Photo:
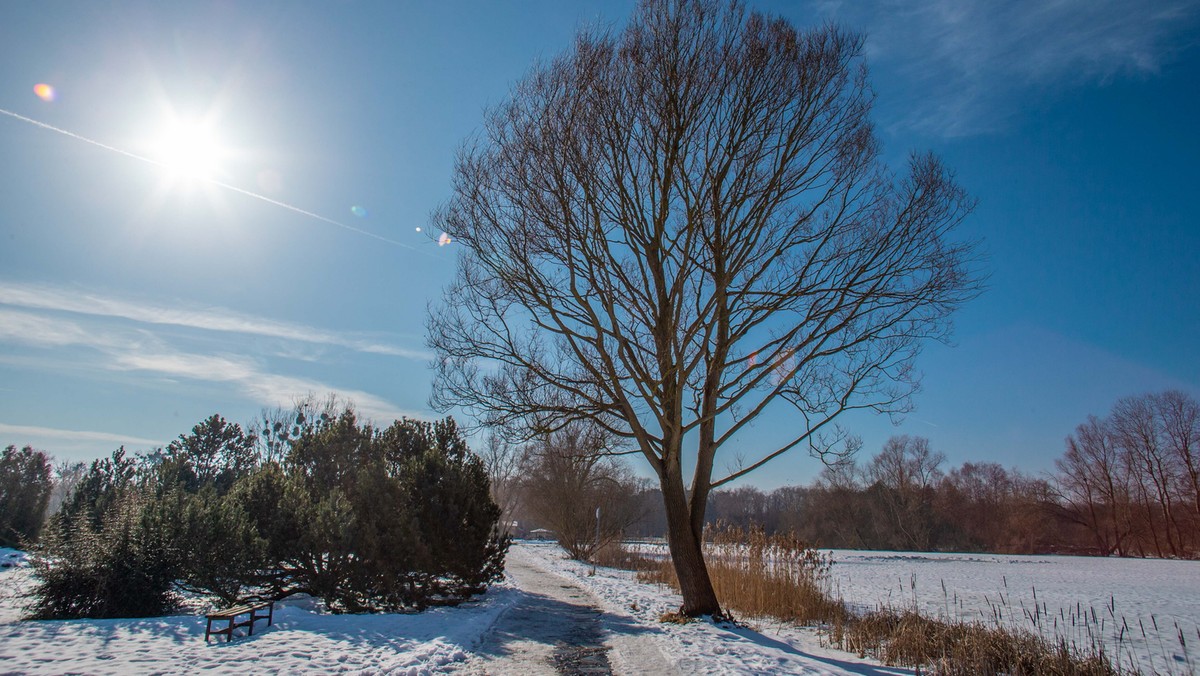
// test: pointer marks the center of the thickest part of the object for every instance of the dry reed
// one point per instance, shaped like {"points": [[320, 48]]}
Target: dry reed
{"points": [[783, 578]]}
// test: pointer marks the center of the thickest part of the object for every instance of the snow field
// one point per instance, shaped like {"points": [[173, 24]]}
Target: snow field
{"points": [[305, 640], [1119, 597]]}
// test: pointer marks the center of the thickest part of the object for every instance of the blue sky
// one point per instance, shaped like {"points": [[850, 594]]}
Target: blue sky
{"points": [[134, 302]]}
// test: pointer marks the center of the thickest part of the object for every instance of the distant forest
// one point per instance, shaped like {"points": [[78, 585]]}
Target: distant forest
{"points": [[1126, 485]]}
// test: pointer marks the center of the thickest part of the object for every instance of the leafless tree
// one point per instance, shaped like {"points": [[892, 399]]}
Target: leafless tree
{"points": [[672, 228], [908, 468], [1135, 428], [507, 464], [1131, 478], [1093, 484], [277, 427], [1179, 417], [586, 496]]}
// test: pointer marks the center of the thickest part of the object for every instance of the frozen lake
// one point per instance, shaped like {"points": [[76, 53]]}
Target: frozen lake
{"points": [[1121, 598]]}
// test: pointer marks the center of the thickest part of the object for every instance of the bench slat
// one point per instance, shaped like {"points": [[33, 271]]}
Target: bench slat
{"points": [[230, 615]]}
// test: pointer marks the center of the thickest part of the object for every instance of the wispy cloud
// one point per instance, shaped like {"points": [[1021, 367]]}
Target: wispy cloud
{"points": [[41, 331], [265, 388], [969, 65], [22, 432], [208, 319], [136, 351]]}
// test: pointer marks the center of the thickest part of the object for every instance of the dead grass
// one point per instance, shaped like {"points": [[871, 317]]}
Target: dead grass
{"points": [[757, 575], [906, 638], [783, 578], [614, 555]]}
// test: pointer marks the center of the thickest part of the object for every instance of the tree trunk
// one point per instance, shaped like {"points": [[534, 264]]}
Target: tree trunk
{"points": [[687, 554]]}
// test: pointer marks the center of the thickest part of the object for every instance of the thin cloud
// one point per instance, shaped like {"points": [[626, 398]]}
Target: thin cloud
{"points": [[134, 352], [210, 319], [264, 388], [967, 66], [40, 331], [31, 432]]}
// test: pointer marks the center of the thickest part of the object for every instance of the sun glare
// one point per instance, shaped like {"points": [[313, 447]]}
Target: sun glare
{"points": [[189, 150]]}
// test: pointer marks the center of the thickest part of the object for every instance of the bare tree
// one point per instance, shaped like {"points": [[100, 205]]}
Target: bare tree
{"points": [[1136, 430], [583, 493], [1132, 478], [506, 463], [672, 228], [1179, 417], [907, 469]]}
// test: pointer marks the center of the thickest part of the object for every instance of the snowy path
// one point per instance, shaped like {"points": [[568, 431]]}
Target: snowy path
{"points": [[641, 644], [549, 616], [557, 628]]}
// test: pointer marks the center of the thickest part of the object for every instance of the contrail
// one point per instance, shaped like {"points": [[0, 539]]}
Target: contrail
{"points": [[211, 181]]}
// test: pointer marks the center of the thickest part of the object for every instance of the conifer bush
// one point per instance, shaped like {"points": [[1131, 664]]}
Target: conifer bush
{"points": [[122, 569], [25, 485], [366, 519]]}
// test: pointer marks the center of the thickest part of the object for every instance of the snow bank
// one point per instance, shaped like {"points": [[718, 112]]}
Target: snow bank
{"points": [[300, 641]]}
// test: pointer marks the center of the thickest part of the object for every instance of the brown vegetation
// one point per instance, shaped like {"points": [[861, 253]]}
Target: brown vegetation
{"points": [[781, 577], [1132, 480]]}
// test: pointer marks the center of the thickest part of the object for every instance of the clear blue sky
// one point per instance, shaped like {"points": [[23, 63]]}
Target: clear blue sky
{"points": [[133, 302]]}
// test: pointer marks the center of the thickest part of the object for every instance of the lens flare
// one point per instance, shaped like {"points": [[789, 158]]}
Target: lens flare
{"points": [[358, 211], [44, 92], [444, 239]]}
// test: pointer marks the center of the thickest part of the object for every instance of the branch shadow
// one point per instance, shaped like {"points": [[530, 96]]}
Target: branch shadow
{"points": [[540, 619], [757, 638]]}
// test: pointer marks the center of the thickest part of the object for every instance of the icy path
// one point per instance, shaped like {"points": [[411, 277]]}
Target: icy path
{"points": [[556, 628]]}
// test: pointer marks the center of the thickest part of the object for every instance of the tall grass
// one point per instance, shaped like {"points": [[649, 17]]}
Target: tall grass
{"points": [[783, 578], [760, 575]]}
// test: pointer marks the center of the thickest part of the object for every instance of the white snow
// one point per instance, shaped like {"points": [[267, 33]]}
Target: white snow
{"points": [[304, 640], [1124, 596], [699, 647], [301, 640]]}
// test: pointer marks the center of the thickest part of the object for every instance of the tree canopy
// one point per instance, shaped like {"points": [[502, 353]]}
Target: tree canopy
{"points": [[671, 228]]}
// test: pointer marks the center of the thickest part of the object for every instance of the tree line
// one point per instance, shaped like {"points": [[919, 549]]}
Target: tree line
{"points": [[1126, 485], [311, 500]]}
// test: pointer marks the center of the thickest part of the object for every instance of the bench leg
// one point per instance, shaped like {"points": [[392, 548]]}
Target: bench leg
{"points": [[229, 637]]}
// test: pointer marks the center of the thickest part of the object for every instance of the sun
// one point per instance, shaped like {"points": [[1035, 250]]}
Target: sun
{"points": [[188, 150]]}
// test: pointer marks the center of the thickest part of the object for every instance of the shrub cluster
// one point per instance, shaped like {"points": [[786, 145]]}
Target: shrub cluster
{"points": [[25, 485], [366, 519]]}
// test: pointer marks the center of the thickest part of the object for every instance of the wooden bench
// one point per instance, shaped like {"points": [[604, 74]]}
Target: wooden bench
{"points": [[252, 612]]}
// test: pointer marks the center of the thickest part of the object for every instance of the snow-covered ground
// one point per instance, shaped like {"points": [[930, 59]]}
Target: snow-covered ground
{"points": [[1129, 594], [699, 647], [304, 640], [1124, 596]]}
